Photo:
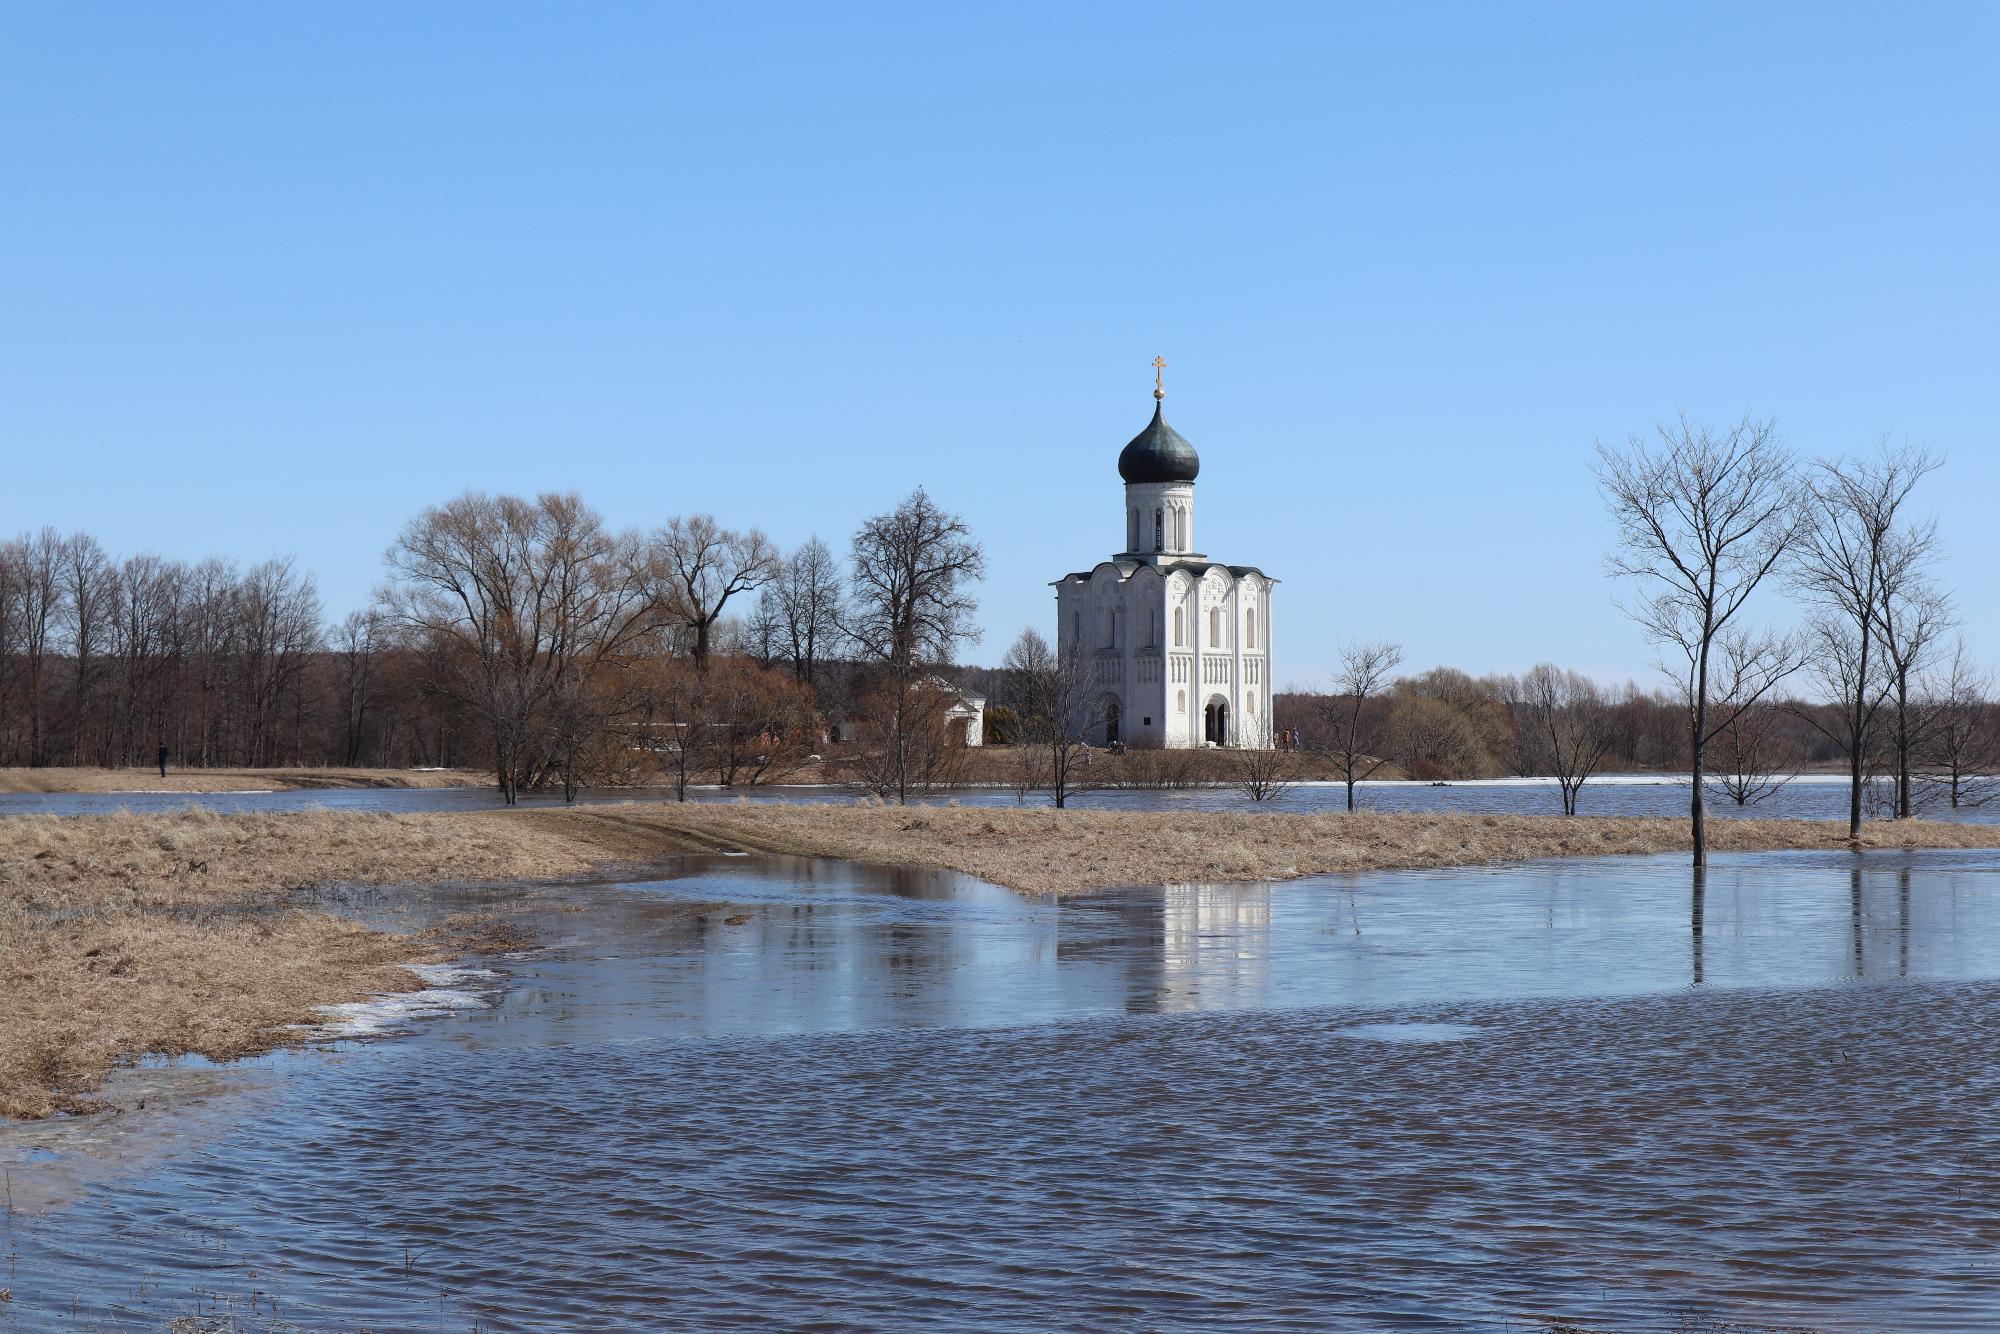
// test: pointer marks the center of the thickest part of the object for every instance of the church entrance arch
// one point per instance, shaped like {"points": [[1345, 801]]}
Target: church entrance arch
{"points": [[1108, 714], [1215, 721]]}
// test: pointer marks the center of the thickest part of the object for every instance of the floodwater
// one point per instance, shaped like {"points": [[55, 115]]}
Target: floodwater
{"points": [[788, 1093], [1809, 797]]}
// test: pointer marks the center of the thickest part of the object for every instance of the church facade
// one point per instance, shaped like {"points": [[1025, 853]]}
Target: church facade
{"points": [[1176, 648]]}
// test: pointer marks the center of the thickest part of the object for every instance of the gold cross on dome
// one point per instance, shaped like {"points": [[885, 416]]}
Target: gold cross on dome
{"points": [[1159, 377]]}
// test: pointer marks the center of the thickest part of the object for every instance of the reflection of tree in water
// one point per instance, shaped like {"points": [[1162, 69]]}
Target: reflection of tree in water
{"points": [[1696, 895]]}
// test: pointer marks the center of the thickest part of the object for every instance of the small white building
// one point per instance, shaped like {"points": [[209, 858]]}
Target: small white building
{"points": [[1177, 647], [965, 715]]}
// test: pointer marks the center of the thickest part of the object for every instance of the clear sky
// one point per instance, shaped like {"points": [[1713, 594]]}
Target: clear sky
{"points": [[274, 277]]}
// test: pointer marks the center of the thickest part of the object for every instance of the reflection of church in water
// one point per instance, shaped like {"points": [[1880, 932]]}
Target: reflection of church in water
{"points": [[1177, 648], [1183, 947]]}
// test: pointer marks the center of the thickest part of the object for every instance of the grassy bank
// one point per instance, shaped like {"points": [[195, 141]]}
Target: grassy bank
{"points": [[188, 932], [230, 780], [191, 932], [1063, 852]]}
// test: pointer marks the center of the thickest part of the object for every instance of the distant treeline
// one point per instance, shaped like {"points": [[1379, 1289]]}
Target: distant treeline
{"points": [[520, 634]]}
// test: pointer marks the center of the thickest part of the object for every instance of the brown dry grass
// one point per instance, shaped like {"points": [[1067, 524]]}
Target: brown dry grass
{"points": [[228, 780], [1063, 852], [167, 934], [128, 934]]}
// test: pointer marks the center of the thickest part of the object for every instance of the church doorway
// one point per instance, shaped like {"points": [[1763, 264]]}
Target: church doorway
{"points": [[1215, 722], [1108, 710]]}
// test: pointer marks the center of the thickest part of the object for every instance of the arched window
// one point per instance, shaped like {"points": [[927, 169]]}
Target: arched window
{"points": [[1215, 627], [1152, 625], [1132, 531], [1159, 530], [1249, 627], [1180, 529], [1180, 701], [1180, 628], [1111, 628], [1076, 629]]}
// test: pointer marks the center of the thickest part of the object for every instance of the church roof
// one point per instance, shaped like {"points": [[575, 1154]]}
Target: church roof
{"points": [[1127, 568], [1159, 454]]}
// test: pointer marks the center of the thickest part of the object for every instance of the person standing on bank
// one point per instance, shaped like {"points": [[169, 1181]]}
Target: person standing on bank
{"points": [[163, 759]]}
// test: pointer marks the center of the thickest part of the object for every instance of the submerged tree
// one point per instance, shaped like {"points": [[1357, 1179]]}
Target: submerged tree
{"points": [[1353, 713], [1961, 747], [1911, 618], [1847, 545], [1703, 519], [1050, 697]]}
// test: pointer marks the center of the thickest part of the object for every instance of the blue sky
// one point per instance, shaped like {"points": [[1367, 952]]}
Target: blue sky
{"points": [[276, 277]]}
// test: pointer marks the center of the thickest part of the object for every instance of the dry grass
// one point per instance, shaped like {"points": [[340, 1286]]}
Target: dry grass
{"points": [[1062, 852], [127, 934], [228, 780]]}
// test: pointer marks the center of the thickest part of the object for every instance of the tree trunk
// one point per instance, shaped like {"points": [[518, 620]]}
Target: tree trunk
{"points": [[1697, 816]]}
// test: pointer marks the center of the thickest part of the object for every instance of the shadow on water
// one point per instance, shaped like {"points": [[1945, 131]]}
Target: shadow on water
{"points": [[809, 1092]]}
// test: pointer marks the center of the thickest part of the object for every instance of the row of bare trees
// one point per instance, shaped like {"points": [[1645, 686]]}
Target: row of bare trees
{"points": [[1707, 517], [523, 630], [102, 661]]}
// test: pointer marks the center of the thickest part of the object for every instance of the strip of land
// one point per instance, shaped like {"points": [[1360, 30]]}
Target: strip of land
{"points": [[197, 932], [231, 780]]}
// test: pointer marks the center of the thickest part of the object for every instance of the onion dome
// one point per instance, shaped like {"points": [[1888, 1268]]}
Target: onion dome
{"points": [[1158, 454]]}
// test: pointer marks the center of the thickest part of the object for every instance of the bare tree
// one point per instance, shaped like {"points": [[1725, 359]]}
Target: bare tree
{"points": [[278, 615], [701, 566], [1352, 713], [519, 597], [1852, 510], [674, 722], [1263, 773], [912, 747], [357, 645], [89, 597], [1563, 729], [1911, 617], [40, 594], [1050, 695], [1961, 748], [809, 605], [1703, 518], [911, 607]]}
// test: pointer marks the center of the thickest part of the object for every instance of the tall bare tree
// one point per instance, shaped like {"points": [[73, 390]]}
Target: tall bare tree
{"points": [[809, 601], [912, 605], [89, 597], [358, 642], [701, 566], [40, 612], [1912, 616], [1563, 729], [518, 596], [1352, 712], [1703, 518], [278, 615], [1846, 543]]}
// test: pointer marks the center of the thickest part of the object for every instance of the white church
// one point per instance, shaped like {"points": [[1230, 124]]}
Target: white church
{"points": [[1177, 647]]}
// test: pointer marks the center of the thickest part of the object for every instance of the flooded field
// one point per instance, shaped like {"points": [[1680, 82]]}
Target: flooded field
{"points": [[1812, 797], [785, 1092]]}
